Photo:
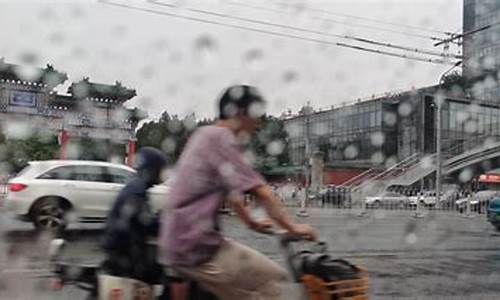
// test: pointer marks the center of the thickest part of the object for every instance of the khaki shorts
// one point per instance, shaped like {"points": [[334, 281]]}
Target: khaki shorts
{"points": [[240, 272]]}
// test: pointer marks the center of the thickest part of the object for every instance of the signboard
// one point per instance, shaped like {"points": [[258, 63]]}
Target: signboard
{"points": [[490, 178], [25, 99]]}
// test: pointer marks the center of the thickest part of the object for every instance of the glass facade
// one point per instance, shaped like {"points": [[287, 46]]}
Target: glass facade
{"points": [[384, 131], [350, 133], [463, 122], [482, 49]]}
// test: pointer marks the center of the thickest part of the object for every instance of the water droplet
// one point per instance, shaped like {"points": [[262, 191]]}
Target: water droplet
{"points": [[56, 38], [427, 162], [411, 238], [290, 76], [253, 58], [175, 126], [405, 109], [257, 110], [205, 46], [377, 158], [391, 161], [226, 170], [236, 92], [148, 72], [30, 58], [17, 130], [47, 14], [189, 122], [78, 53], [351, 152], [275, 148], [169, 145], [377, 139], [471, 126], [249, 157], [462, 116], [465, 175], [28, 73], [390, 119], [119, 30]]}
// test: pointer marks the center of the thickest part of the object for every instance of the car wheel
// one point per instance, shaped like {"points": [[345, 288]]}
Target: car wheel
{"points": [[49, 214], [376, 204]]}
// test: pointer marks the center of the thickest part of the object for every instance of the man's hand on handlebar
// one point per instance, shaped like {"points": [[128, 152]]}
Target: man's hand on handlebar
{"points": [[304, 230], [261, 225]]}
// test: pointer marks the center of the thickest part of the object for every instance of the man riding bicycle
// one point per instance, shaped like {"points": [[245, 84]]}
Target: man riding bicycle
{"points": [[211, 169]]}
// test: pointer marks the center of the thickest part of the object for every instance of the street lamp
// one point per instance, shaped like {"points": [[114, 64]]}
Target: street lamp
{"points": [[439, 99]]}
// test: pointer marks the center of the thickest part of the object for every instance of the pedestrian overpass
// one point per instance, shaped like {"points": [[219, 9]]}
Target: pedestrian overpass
{"points": [[464, 166]]}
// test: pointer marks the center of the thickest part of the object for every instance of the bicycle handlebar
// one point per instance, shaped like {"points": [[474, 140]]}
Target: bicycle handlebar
{"points": [[285, 237]]}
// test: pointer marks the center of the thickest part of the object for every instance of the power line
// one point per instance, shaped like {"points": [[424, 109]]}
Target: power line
{"points": [[354, 38], [467, 33], [433, 38], [274, 33], [369, 19]]}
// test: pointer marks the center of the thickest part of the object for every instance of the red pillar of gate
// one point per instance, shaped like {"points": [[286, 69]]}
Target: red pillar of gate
{"points": [[63, 139], [131, 148]]}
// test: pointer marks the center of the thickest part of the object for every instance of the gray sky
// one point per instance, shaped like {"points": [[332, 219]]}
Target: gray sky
{"points": [[181, 65]]}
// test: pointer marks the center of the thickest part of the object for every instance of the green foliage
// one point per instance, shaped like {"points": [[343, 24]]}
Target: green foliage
{"points": [[100, 150], [170, 135], [271, 137], [18, 152]]}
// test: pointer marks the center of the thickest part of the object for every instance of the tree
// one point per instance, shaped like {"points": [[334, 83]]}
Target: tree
{"points": [[100, 150], [17, 153], [169, 133], [271, 145], [324, 147]]}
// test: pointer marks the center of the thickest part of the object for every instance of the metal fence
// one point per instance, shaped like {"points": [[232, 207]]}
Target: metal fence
{"points": [[459, 201]]}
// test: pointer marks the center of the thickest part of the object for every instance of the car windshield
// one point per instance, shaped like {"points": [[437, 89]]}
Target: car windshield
{"points": [[376, 122]]}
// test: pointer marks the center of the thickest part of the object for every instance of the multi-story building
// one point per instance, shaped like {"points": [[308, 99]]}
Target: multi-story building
{"points": [[28, 103], [379, 132], [482, 49]]}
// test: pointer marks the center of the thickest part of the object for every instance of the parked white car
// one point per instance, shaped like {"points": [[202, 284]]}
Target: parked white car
{"points": [[387, 199], [428, 199], [479, 199], [47, 192]]}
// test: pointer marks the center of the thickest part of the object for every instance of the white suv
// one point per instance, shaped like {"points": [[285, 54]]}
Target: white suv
{"points": [[45, 192]]}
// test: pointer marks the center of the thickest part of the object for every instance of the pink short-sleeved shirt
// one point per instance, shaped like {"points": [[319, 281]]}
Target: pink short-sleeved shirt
{"points": [[210, 167]]}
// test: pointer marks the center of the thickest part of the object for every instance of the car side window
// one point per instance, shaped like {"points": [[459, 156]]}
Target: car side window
{"points": [[118, 175], [61, 173], [88, 173]]}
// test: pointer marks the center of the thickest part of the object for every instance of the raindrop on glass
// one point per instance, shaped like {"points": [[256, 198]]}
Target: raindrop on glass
{"points": [[390, 119], [275, 148], [405, 109], [290, 76], [351, 152], [169, 145], [205, 46], [253, 58], [377, 139]]}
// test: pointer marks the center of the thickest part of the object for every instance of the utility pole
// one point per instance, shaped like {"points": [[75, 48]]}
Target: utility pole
{"points": [[307, 158], [440, 100]]}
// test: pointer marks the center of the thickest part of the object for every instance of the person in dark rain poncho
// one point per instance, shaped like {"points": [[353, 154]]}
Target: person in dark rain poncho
{"points": [[131, 223]]}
